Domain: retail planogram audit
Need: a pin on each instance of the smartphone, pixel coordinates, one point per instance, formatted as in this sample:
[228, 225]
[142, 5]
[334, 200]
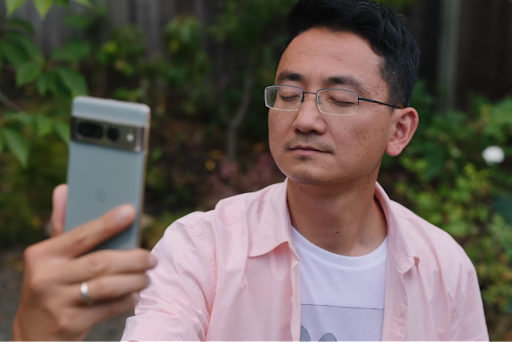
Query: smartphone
[106, 165]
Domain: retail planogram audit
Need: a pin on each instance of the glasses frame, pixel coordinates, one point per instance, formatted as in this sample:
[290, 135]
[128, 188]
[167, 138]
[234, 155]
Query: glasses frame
[359, 98]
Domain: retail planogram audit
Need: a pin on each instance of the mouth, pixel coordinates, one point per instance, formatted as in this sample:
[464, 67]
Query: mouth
[305, 149]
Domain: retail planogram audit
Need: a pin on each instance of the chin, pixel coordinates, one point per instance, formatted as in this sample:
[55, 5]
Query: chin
[305, 177]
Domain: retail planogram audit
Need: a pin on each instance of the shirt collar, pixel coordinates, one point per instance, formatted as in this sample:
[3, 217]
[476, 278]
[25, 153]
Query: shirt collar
[274, 226]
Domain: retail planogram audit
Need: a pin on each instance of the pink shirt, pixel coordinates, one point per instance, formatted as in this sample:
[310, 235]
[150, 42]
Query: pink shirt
[232, 274]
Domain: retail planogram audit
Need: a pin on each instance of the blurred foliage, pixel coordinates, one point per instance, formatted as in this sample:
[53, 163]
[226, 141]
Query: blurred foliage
[198, 90]
[442, 177]
[398, 5]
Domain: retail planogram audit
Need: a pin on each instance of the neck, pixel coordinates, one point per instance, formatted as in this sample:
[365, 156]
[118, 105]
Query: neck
[345, 220]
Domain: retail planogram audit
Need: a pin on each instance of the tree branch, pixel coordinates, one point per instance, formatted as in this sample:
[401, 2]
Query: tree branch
[241, 113]
[8, 103]
[246, 99]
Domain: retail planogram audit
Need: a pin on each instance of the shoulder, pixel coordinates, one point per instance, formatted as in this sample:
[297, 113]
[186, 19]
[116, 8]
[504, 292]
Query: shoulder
[234, 222]
[231, 210]
[436, 250]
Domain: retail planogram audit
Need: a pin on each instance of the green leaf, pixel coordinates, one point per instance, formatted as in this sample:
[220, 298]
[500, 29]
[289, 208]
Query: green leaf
[12, 6]
[43, 83]
[86, 3]
[17, 144]
[23, 118]
[63, 131]
[43, 6]
[73, 52]
[27, 73]
[78, 21]
[57, 87]
[21, 24]
[64, 3]
[44, 125]
[74, 81]
[30, 47]
[13, 53]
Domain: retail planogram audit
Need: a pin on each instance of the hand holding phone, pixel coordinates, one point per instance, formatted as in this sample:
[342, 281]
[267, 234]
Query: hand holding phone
[51, 307]
[100, 210]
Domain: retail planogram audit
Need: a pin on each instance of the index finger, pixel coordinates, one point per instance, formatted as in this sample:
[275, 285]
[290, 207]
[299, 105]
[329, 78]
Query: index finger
[84, 238]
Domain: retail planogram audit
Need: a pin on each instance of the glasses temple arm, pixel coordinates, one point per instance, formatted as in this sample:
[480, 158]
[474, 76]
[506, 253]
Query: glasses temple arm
[382, 103]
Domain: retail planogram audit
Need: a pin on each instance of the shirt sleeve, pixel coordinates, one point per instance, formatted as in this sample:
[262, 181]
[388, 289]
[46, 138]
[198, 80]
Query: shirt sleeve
[469, 323]
[177, 303]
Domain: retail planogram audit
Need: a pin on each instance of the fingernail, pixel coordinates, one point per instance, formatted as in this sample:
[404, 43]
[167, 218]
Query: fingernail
[124, 214]
[152, 260]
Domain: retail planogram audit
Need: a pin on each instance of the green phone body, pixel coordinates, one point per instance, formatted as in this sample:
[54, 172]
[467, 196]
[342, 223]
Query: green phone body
[106, 166]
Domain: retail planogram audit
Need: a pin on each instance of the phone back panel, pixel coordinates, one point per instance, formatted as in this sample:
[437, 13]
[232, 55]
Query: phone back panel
[101, 178]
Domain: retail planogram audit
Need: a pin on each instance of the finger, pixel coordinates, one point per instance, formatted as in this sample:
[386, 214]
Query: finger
[112, 287]
[107, 262]
[59, 199]
[101, 312]
[84, 238]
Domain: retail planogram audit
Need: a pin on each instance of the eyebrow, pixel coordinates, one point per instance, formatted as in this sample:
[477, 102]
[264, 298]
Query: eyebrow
[345, 80]
[289, 76]
[331, 81]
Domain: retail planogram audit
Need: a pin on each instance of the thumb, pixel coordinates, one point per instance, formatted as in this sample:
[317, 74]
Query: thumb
[60, 196]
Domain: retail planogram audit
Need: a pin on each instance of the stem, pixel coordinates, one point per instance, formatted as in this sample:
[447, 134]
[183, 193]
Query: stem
[240, 115]
[9, 103]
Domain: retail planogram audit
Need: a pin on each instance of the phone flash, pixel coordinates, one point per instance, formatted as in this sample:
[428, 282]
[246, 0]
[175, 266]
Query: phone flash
[129, 137]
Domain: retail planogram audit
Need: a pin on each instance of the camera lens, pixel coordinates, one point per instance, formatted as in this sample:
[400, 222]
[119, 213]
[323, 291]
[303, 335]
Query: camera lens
[113, 134]
[90, 130]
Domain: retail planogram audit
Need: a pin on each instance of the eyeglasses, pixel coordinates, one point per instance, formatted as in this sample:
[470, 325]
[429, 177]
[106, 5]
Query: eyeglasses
[329, 101]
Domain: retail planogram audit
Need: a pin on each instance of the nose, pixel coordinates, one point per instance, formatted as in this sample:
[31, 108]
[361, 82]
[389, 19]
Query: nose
[309, 118]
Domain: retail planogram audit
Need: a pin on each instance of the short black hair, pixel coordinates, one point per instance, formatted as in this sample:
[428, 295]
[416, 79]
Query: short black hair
[379, 25]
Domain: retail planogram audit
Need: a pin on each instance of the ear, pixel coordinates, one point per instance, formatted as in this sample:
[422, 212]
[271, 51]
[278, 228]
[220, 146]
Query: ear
[405, 122]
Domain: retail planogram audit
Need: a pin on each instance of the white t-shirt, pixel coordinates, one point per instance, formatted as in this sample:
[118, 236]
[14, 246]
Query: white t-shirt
[342, 298]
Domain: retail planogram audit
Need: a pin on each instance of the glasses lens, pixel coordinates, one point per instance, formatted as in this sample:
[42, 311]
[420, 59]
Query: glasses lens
[336, 101]
[283, 97]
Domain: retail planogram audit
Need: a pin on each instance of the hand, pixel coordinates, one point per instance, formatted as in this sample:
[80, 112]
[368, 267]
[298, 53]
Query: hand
[51, 306]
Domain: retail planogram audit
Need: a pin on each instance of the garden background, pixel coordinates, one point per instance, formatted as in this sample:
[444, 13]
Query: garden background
[201, 66]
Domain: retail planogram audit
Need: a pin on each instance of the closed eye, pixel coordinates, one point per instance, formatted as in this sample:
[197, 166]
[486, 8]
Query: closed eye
[341, 103]
[289, 98]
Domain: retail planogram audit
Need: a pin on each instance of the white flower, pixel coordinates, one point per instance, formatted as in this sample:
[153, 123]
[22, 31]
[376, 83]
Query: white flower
[493, 155]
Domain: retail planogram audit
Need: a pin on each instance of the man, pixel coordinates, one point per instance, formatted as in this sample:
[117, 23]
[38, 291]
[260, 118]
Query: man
[326, 255]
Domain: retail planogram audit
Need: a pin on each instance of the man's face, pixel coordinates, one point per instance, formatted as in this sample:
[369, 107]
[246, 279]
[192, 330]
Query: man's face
[314, 148]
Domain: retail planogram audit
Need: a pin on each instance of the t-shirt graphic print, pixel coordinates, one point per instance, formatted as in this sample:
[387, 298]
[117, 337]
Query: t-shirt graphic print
[335, 323]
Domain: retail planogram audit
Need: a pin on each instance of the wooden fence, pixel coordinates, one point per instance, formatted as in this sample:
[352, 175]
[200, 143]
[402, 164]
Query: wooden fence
[477, 59]
[150, 15]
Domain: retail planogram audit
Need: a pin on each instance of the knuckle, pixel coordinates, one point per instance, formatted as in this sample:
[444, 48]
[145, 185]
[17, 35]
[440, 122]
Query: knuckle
[104, 289]
[54, 221]
[39, 284]
[96, 265]
[80, 237]
[141, 282]
[31, 254]
[141, 258]
[109, 220]
[66, 321]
